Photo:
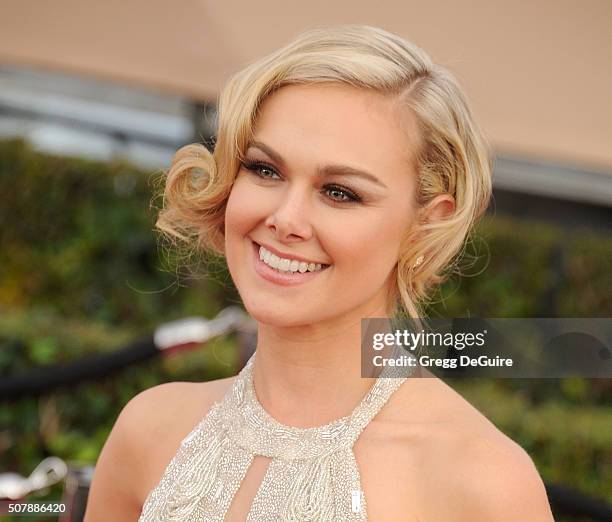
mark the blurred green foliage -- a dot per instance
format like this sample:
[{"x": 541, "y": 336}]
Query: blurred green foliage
[{"x": 81, "y": 272}]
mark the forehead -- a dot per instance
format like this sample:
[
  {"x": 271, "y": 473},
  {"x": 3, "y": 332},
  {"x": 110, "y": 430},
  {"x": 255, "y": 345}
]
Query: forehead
[{"x": 335, "y": 123}]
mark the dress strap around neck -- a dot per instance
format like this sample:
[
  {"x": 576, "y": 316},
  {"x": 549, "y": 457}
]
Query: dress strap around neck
[
  {"x": 257, "y": 431},
  {"x": 384, "y": 386}
]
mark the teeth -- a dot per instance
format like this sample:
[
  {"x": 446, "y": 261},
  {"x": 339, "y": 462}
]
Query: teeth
[{"x": 287, "y": 265}]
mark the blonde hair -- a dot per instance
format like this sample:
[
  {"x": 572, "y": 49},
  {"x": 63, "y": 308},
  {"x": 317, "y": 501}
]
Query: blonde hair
[{"x": 452, "y": 158}]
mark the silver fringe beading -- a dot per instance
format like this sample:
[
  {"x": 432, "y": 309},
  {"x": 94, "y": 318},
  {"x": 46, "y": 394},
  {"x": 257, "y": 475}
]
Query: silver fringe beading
[{"x": 312, "y": 475}]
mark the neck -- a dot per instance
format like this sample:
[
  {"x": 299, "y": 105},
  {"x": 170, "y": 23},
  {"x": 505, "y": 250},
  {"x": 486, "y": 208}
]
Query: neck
[{"x": 310, "y": 375}]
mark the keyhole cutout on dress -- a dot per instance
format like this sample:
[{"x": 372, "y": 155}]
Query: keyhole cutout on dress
[{"x": 243, "y": 499}]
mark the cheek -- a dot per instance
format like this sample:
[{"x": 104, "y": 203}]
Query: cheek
[
  {"x": 239, "y": 211},
  {"x": 370, "y": 244},
  {"x": 239, "y": 222}
]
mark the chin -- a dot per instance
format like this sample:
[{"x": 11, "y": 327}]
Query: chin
[
  {"x": 279, "y": 319},
  {"x": 281, "y": 316}
]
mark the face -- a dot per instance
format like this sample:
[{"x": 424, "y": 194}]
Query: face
[{"x": 328, "y": 179}]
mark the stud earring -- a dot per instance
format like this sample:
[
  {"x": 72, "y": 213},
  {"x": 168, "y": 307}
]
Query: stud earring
[{"x": 418, "y": 261}]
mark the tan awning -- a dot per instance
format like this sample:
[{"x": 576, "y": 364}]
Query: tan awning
[{"x": 538, "y": 73}]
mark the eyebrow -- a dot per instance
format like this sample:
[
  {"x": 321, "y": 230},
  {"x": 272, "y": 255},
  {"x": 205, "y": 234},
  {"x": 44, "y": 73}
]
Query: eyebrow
[{"x": 326, "y": 170}]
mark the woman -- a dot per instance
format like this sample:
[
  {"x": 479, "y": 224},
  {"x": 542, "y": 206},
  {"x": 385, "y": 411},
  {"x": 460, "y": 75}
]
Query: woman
[{"x": 347, "y": 174}]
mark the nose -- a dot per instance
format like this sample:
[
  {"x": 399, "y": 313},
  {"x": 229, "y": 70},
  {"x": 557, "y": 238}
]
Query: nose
[{"x": 290, "y": 220}]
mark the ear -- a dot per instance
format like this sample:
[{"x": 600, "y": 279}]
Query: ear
[{"x": 439, "y": 208}]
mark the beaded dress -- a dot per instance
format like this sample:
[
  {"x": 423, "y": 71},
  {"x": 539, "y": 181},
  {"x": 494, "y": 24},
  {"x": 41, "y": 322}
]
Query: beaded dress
[{"x": 312, "y": 475}]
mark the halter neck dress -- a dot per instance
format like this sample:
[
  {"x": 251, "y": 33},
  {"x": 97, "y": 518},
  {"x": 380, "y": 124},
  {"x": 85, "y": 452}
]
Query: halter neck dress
[{"x": 312, "y": 475}]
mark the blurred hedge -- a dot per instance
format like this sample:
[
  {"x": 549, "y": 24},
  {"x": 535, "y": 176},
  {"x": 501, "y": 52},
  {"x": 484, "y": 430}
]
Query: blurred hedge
[{"x": 80, "y": 272}]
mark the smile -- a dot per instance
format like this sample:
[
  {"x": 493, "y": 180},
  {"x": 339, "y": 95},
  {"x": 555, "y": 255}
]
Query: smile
[
  {"x": 283, "y": 271},
  {"x": 286, "y": 265}
]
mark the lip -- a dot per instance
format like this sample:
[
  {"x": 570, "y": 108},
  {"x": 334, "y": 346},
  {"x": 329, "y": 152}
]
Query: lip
[
  {"x": 269, "y": 274},
  {"x": 288, "y": 256}
]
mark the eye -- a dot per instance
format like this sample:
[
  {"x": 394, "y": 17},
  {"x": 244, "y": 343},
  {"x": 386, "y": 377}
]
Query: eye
[
  {"x": 337, "y": 193},
  {"x": 259, "y": 168},
  {"x": 341, "y": 194}
]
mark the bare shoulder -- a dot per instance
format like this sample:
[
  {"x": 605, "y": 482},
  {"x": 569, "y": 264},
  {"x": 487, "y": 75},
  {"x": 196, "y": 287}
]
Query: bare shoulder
[
  {"x": 456, "y": 463},
  {"x": 164, "y": 415},
  {"x": 167, "y": 410},
  {"x": 498, "y": 481},
  {"x": 479, "y": 471},
  {"x": 144, "y": 438}
]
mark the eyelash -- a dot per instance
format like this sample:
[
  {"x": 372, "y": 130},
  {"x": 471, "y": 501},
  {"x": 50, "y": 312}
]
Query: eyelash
[{"x": 256, "y": 166}]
